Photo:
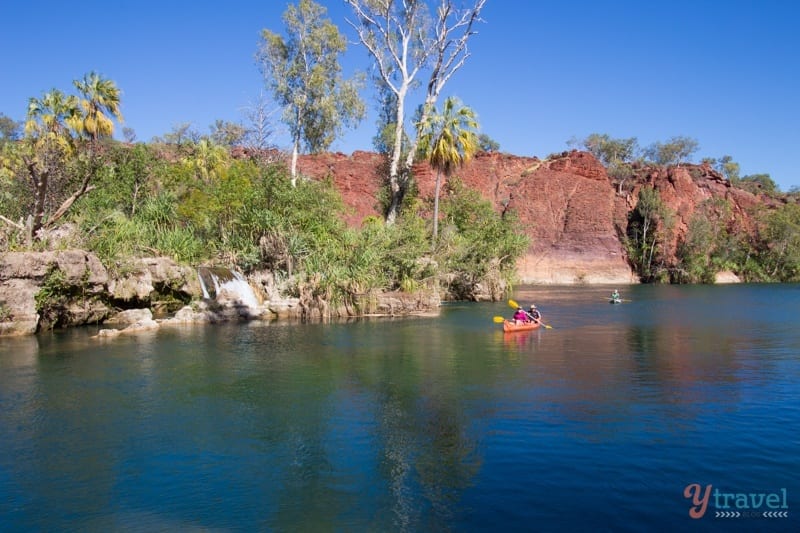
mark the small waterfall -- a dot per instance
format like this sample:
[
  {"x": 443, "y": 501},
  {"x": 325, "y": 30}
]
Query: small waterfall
[{"x": 228, "y": 287}]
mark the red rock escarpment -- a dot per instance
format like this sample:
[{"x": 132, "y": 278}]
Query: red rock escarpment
[{"x": 567, "y": 204}]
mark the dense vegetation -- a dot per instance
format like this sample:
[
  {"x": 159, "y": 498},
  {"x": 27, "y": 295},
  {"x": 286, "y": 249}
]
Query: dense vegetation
[
  {"x": 716, "y": 239},
  {"x": 197, "y": 204}
]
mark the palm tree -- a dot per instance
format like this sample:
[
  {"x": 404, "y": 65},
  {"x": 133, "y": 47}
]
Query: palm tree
[
  {"x": 208, "y": 160},
  {"x": 52, "y": 124},
  {"x": 52, "y": 114},
  {"x": 101, "y": 97},
  {"x": 447, "y": 141},
  {"x": 47, "y": 127}
]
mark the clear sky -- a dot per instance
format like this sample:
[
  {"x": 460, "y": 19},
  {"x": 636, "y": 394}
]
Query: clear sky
[{"x": 726, "y": 73}]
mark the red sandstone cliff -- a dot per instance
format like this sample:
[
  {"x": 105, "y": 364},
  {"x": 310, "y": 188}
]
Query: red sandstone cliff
[{"x": 573, "y": 211}]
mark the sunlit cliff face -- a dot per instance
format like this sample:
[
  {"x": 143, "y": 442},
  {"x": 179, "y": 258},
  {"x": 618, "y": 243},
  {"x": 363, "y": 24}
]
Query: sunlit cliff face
[{"x": 567, "y": 204}]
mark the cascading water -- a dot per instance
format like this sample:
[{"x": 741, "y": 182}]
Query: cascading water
[{"x": 229, "y": 287}]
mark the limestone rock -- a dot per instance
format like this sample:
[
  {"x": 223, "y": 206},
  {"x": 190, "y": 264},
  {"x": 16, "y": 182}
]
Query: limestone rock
[
  {"x": 130, "y": 316},
  {"x": 149, "y": 278},
  {"x": 726, "y": 277},
  {"x": 82, "y": 285}
]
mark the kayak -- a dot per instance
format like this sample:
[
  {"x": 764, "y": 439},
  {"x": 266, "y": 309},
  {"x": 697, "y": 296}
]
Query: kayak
[
  {"x": 509, "y": 326},
  {"x": 615, "y": 301}
]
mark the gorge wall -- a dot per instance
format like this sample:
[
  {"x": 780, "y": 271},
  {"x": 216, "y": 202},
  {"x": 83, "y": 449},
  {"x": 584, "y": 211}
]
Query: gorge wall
[{"x": 571, "y": 209}]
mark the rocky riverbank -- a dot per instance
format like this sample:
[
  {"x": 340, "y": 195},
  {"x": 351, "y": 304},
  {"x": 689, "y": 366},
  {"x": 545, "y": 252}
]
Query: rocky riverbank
[{"x": 55, "y": 289}]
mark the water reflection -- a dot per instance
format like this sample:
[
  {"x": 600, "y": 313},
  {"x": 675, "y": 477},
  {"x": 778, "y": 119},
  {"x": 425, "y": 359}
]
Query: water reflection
[{"x": 420, "y": 424}]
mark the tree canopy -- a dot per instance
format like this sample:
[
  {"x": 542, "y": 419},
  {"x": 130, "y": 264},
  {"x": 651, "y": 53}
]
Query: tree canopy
[
  {"x": 303, "y": 73},
  {"x": 405, "y": 41},
  {"x": 672, "y": 152},
  {"x": 447, "y": 141},
  {"x": 55, "y": 125}
]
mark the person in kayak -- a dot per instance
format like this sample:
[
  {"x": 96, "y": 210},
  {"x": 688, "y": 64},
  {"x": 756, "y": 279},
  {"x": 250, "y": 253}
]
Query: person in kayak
[
  {"x": 615, "y": 295},
  {"x": 520, "y": 316},
  {"x": 534, "y": 314}
]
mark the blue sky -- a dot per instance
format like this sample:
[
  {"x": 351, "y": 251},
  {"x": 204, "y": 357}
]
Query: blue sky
[{"x": 724, "y": 73}]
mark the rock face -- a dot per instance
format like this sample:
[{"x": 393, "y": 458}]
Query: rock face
[
  {"x": 74, "y": 288},
  {"x": 357, "y": 177},
  {"x": 567, "y": 205},
  {"x": 574, "y": 213},
  {"x": 155, "y": 281},
  {"x": 76, "y": 282}
]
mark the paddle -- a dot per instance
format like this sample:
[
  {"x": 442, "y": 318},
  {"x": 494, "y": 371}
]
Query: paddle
[
  {"x": 515, "y": 305},
  {"x": 499, "y": 319}
]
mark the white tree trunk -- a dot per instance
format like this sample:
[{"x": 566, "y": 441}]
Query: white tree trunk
[
  {"x": 295, "y": 150},
  {"x": 397, "y": 153}
]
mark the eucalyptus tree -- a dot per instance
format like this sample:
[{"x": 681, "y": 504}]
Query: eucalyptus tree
[
  {"x": 649, "y": 227},
  {"x": 182, "y": 135},
  {"x": 758, "y": 183},
  {"x": 405, "y": 42},
  {"x": 709, "y": 245},
  {"x": 129, "y": 134},
  {"x": 616, "y": 154},
  {"x": 385, "y": 135},
  {"x": 10, "y": 129},
  {"x": 447, "y": 140},
  {"x": 304, "y": 75},
  {"x": 609, "y": 150},
  {"x": 487, "y": 144},
  {"x": 225, "y": 133},
  {"x": 726, "y": 166},
  {"x": 259, "y": 128},
  {"x": 781, "y": 234},
  {"x": 673, "y": 152}
]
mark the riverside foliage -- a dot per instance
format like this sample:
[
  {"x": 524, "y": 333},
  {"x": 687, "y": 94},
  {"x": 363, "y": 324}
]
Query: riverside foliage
[
  {"x": 197, "y": 204},
  {"x": 715, "y": 242}
]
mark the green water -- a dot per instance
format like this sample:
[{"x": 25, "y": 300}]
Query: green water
[{"x": 415, "y": 424}]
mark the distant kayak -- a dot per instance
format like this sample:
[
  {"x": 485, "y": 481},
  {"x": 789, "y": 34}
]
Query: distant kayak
[
  {"x": 509, "y": 326},
  {"x": 615, "y": 301}
]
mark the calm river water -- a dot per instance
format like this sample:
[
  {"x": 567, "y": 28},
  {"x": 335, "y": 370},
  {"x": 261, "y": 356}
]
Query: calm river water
[{"x": 607, "y": 421}]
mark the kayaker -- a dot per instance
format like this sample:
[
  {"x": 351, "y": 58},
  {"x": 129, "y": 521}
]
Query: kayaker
[
  {"x": 520, "y": 316},
  {"x": 534, "y": 313},
  {"x": 615, "y": 295}
]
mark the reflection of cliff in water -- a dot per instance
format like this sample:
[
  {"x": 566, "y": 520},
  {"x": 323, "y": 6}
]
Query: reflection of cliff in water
[{"x": 602, "y": 382}]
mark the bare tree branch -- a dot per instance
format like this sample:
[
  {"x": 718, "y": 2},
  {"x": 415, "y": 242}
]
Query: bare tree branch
[
  {"x": 61, "y": 211},
  {"x": 12, "y": 223},
  {"x": 401, "y": 39}
]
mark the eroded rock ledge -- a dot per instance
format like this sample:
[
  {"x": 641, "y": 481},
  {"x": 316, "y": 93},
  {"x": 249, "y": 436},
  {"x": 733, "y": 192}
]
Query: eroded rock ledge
[{"x": 43, "y": 290}]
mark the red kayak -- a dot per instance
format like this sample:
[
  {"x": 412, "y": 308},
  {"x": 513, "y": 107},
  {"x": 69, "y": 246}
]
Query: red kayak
[{"x": 509, "y": 326}]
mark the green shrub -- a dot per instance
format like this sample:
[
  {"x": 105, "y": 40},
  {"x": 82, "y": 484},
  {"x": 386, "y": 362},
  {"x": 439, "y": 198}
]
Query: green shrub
[{"x": 52, "y": 298}]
